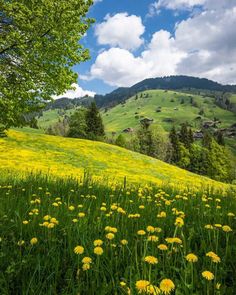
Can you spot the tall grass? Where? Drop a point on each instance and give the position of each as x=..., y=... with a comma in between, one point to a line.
x=49, y=265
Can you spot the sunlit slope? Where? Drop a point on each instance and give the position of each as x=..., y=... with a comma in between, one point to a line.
x=26, y=151
x=173, y=108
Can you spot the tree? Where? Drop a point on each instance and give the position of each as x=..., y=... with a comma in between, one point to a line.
x=220, y=138
x=39, y=44
x=120, y=141
x=95, y=127
x=175, y=144
x=184, y=135
x=77, y=124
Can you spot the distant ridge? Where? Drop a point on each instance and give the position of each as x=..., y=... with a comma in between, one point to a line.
x=170, y=82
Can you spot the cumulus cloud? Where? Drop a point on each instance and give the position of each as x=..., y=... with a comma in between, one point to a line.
x=114, y=31
x=176, y=4
x=77, y=92
x=203, y=45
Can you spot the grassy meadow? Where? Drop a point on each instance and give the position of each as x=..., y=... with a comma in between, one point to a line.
x=123, y=116
x=68, y=236
x=28, y=150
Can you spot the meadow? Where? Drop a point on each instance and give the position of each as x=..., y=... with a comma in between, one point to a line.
x=77, y=236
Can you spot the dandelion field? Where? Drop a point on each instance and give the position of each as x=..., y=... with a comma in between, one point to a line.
x=67, y=236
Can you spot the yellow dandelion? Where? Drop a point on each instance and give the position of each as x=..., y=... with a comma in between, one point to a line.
x=98, y=250
x=142, y=285
x=81, y=214
x=151, y=259
x=191, y=257
x=141, y=232
x=151, y=289
x=87, y=260
x=214, y=257
x=179, y=222
x=86, y=266
x=162, y=247
x=208, y=275
x=25, y=222
x=97, y=242
x=71, y=208
x=79, y=250
x=226, y=228
x=110, y=236
x=153, y=238
x=166, y=286
x=33, y=241
x=124, y=242
x=150, y=229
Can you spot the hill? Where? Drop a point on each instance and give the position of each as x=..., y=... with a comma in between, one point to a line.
x=172, y=83
x=166, y=108
x=26, y=151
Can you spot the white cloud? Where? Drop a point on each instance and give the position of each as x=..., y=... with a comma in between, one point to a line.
x=203, y=45
x=177, y=4
x=121, y=30
x=76, y=93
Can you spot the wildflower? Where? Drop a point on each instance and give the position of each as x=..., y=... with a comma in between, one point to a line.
x=230, y=214
x=33, y=241
x=173, y=240
x=46, y=217
x=55, y=204
x=20, y=243
x=75, y=220
x=214, y=257
x=179, y=222
x=153, y=238
x=81, y=214
x=191, y=257
x=54, y=220
x=218, y=225
x=86, y=266
x=110, y=236
x=97, y=242
x=122, y=284
x=162, y=247
x=103, y=209
x=87, y=260
x=226, y=228
x=25, y=222
x=167, y=286
x=79, y=250
x=151, y=289
x=208, y=275
x=218, y=285
x=141, y=232
x=151, y=259
x=124, y=242
x=141, y=207
x=51, y=225
x=98, y=250
x=150, y=229
x=161, y=215
x=142, y=285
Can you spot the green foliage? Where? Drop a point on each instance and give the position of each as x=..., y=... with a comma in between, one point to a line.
x=95, y=128
x=39, y=44
x=120, y=141
x=77, y=124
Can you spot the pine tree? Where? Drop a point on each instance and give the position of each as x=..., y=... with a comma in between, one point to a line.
x=184, y=136
x=95, y=127
x=220, y=138
x=175, y=144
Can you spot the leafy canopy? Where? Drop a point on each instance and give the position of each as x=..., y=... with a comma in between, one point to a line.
x=39, y=44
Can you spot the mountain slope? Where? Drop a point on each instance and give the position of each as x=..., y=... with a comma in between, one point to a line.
x=166, y=108
x=24, y=151
x=171, y=83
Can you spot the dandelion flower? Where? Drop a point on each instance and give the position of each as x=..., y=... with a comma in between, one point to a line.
x=226, y=228
x=124, y=242
x=142, y=285
x=110, y=236
x=208, y=275
x=86, y=266
x=167, y=286
x=151, y=229
x=214, y=257
x=162, y=247
x=97, y=242
x=25, y=222
x=79, y=250
x=33, y=241
x=179, y=222
x=151, y=289
x=151, y=259
x=98, y=250
x=81, y=214
x=71, y=208
x=141, y=232
x=87, y=260
x=191, y=257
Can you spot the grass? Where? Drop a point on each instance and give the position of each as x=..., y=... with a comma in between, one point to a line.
x=43, y=220
x=28, y=150
x=123, y=116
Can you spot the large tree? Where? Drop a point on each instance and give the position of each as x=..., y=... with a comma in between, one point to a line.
x=39, y=44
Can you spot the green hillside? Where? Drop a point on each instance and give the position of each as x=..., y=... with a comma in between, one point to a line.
x=26, y=151
x=166, y=108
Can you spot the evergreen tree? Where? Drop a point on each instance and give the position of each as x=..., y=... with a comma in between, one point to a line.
x=207, y=139
x=95, y=127
x=220, y=138
x=184, y=135
x=77, y=125
x=145, y=138
x=175, y=144
x=190, y=136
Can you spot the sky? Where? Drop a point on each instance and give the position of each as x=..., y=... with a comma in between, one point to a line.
x=132, y=40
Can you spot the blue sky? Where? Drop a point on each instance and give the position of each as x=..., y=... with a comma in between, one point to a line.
x=136, y=39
